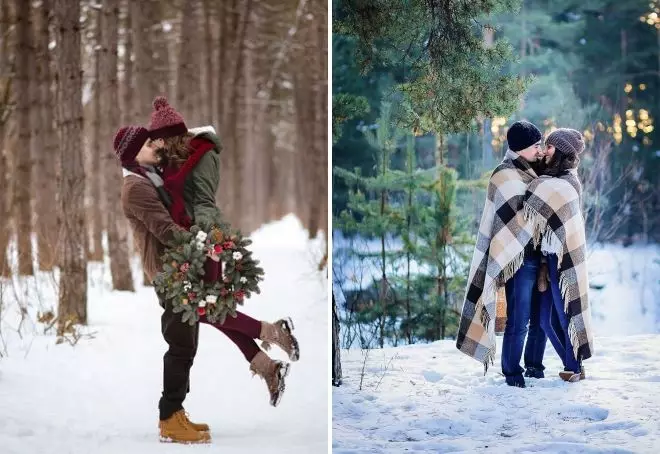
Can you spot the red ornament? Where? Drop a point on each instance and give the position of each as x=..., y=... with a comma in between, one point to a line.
x=185, y=267
x=217, y=249
x=239, y=295
x=201, y=310
x=228, y=245
x=192, y=295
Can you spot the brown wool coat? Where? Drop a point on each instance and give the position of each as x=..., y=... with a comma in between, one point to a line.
x=152, y=224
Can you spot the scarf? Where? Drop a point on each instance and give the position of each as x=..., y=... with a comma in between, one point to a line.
x=498, y=254
x=175, y=179
x=553, y=207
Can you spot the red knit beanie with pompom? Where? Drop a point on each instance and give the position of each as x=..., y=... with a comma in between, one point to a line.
x=165, y=121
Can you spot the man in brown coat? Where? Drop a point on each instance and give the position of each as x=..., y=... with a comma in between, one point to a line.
x=153, y=228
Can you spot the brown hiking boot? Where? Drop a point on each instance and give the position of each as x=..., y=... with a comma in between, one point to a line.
x=570, y=376
x=273, y=372
x=177, y=429
x=280, y=333
x=198, y=426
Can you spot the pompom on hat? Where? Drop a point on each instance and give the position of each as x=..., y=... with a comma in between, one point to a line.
x=165, y=121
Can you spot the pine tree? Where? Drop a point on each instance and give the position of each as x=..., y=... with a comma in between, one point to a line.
x=370, y=215
x=451, y=77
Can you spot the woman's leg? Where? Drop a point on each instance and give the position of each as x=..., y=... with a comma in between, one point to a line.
x=243, y=324
x=278, y=333
x=245, y=344
x=556, y=336
x=241, y=335
x=570, y=363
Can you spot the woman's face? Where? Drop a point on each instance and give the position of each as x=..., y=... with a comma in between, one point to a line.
x=549, y=153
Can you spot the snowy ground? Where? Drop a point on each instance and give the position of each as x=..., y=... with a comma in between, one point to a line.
x=431, y=398
x=101, y=395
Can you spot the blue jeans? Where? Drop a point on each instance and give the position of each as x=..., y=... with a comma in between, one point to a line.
x=522, y=308
x=554, y=320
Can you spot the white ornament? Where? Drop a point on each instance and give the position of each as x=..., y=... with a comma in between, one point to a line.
x=202, y=303
x=201, y=236
x=243, y=279
x=211, y=299
x=237, y=255
x=200, y=245
x=187, y=285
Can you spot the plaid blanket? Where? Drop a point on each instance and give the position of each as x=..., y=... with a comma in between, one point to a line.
x=553, y=205
x=498, y=254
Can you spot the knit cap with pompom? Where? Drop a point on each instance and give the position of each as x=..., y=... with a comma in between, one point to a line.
x=568, y=141
x=165, y=121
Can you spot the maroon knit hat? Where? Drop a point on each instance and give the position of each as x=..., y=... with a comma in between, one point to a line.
x=165, y=121
x=128, y=142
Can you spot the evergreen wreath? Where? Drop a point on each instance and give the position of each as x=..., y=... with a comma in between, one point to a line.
x=183, y=281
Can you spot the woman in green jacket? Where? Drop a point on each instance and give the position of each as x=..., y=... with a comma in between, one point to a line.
x=191, y=174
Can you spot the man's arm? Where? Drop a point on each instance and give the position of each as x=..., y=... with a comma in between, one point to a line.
x=141, y=200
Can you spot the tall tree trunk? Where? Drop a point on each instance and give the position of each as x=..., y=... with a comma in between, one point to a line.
x=23, y=155
x=97, y=149
x=128, y=114
x=73, y=255
x=236, y=112
x=143, y=17
x=46, y=183
x=208, y=60
x=160, y=49
x=229, y=16
x=128, y=111
x=321, y=117
x=188, y=73
x=336, y=346
x=249, y=176
x=5, y=99
x=120, y=266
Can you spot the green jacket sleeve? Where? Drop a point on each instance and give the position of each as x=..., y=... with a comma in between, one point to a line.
x=205, y=181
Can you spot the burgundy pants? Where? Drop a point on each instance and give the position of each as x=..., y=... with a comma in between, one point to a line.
x=241, y=330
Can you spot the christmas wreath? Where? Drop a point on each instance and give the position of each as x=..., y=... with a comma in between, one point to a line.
x=183, y=280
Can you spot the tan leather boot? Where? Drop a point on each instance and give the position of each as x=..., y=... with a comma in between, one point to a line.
x=177, y=429
x=280, y=333
x=198, y=426
x=273, y=372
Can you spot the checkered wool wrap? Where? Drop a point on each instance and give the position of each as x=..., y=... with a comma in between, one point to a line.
x=509, y=222
x=553, y=206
